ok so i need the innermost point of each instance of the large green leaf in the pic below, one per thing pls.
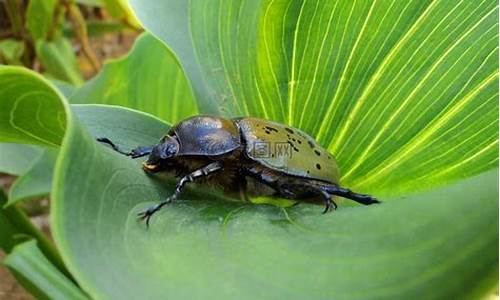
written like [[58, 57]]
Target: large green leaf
[[148, 79], [38, 275], [438, 244], [384, 85]]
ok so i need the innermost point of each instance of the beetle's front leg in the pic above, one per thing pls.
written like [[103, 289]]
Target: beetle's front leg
[[203, 172], [134, 153]]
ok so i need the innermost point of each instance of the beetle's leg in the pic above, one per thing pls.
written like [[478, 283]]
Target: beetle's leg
[[205, 171], [134, 153], [330, 205], [346, 193], [287, 189]]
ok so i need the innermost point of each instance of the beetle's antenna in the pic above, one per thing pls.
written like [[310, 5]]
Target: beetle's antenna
[[135, 153]]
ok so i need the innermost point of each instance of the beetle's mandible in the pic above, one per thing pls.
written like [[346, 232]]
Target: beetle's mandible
[[256, 157]]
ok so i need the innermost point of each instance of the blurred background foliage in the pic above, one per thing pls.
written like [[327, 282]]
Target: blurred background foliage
[[63, 39], [68, 41]]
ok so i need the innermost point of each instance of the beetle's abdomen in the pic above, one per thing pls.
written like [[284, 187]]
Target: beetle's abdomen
[[206, 135]]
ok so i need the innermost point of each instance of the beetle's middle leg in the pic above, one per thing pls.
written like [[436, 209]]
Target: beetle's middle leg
[[134, 153], [203, 172]]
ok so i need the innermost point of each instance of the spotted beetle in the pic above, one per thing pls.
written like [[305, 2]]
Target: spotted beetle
[[253, 157]]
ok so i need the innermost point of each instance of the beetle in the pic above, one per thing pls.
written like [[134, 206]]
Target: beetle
[[246, 156]]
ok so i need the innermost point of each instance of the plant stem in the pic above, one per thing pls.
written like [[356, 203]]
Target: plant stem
[[16, 11], [80, 26]]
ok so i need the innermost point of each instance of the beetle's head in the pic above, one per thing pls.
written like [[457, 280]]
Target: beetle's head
[[161, 154]]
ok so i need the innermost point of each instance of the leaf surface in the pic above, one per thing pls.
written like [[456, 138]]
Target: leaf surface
[[423, 245], [403, 93]]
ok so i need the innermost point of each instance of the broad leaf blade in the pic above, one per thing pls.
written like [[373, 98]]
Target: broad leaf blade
[[384, 85], [426, 245], [223, 250]]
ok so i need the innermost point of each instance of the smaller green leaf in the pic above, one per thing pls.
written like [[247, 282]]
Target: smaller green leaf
[[37, 181], [148, 79], [39, 17], [17, 158], [38, 119], [15, 228], [120, 9], [59, 60], [38, 275], [11, 51]]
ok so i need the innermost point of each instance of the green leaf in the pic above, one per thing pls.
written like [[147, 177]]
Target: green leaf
[[40, 18], [148, 79], [404, 93], [35, 182], [11, 52], [422, 246], [120, 9], [98, 3], [16, 158], [38, 275], [32, 111], [59, 60], [16, 228]]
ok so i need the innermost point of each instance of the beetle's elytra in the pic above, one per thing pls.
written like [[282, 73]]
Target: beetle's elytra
[[256, 157]]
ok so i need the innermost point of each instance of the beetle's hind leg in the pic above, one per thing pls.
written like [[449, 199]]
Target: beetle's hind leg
[[292, 189], [346, 193], [134, 153]]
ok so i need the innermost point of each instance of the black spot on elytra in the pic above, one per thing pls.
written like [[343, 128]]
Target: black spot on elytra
[[289, 130], [317, 152], [318, 166], [311, 144], [295, 148], [294, 140], [271, 128], [308, 171], [299, 141], [268, 132]]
